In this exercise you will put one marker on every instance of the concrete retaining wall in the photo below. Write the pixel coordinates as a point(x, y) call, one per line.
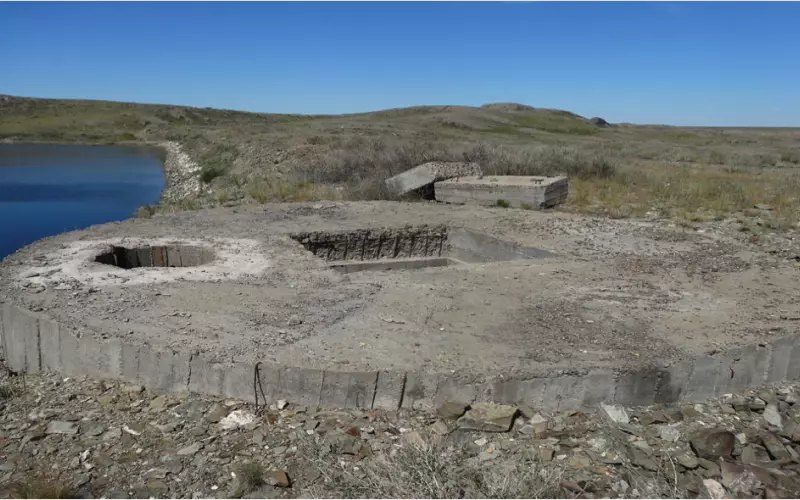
point(34, 343)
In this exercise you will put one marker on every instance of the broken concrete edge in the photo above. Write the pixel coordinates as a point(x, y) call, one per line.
point(34, 342)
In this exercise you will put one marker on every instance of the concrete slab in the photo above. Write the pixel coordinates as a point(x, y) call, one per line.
point(504, 190)
point(429, 173)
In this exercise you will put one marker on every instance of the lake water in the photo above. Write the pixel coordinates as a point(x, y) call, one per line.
point(49, 189)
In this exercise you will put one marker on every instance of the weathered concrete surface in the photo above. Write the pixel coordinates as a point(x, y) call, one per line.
point(429, 173)
point(564, 311)
point(517, 191)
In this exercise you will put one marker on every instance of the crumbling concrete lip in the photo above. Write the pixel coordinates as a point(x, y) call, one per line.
point(142, 261)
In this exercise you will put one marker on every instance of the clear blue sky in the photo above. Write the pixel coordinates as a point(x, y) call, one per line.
point(674, 63)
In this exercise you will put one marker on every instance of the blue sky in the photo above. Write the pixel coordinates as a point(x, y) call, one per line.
point(675, 63)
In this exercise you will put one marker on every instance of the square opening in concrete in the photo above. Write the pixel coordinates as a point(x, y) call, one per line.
point(413, 247)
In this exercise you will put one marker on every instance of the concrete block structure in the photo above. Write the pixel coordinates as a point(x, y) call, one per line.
point(515, 191)
point(428, 173)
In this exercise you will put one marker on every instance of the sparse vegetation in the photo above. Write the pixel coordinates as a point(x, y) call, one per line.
point(251, 476)
point(8, 391)
point(437, 471)
point(40, 486)
point(620, 171)
point(503, 203)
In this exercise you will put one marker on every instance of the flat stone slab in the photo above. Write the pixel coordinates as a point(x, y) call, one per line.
point(504, 190)
point(546, 309)
point(428, 173)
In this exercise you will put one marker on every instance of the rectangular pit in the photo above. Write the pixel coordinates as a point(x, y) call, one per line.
point(413, 247)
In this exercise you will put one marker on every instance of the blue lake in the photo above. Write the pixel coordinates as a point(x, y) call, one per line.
point(49, 189)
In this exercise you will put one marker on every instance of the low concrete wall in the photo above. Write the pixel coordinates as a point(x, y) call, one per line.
point(34, 343)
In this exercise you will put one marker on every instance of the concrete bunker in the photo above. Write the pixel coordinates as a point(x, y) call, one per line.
point(410, 247)
point(156, 256)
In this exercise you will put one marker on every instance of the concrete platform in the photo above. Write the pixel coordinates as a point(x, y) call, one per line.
point(510, 190)
point(426, 174)
point(391, 304)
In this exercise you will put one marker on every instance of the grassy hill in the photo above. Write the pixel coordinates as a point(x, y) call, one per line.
point(690, 173)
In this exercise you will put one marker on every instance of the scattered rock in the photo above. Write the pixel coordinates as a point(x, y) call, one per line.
point(451, 410)
point(439, 428)
point(61, 427)
point(772, 416)
point(216, 413)
point(712, 443)
point(539, 424)
point(237, 418)
point(616, 413)
point(488, 417)
point(278, 478)
point(714, 489)
point(158, 403)
point(190, 450)
point(774, 447)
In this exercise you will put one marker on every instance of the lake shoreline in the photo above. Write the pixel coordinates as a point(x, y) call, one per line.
point(180, 171)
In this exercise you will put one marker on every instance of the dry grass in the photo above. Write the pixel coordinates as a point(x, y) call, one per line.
point(39, 487)
point(251, 476)
point(690, 193)
point(441, 470)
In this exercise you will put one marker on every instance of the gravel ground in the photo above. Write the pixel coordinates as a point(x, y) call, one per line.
point(93, 439)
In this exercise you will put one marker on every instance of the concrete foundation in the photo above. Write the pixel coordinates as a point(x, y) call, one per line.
point(403, 305)
point(426, 174)
point(510, 190)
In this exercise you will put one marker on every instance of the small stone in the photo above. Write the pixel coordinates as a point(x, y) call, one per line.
point(451, 410)
point(616, 413)
point(282, 404)
point(539, 424)
point(712, 444)
point(489, 453)
point(688, 461)
point(772, 416)
point(278, 478)
point(640, 458)
point(656, 417)
point(190, 450)
point(714, 489)
point(158, 403)
point(156, 473)
point(775, 448)
point(690, 413)
point(738, 479)
point(527, 429)
point(61, 427)
point(237, 418)
point(669, 433)
point(81, 480)
point(488, 417)
point(753, 454)
point(258, 436)
point(439, 428)
point(107, 399)
point(546, 454)
point(711, 468)
point(216, 413)
point(157, 486)
point(481, 441)
point(415, 439)
point(757, 404)
point(93, 429)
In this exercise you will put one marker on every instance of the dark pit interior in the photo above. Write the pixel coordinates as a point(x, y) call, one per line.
point(156, 256)
point(412, 247)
